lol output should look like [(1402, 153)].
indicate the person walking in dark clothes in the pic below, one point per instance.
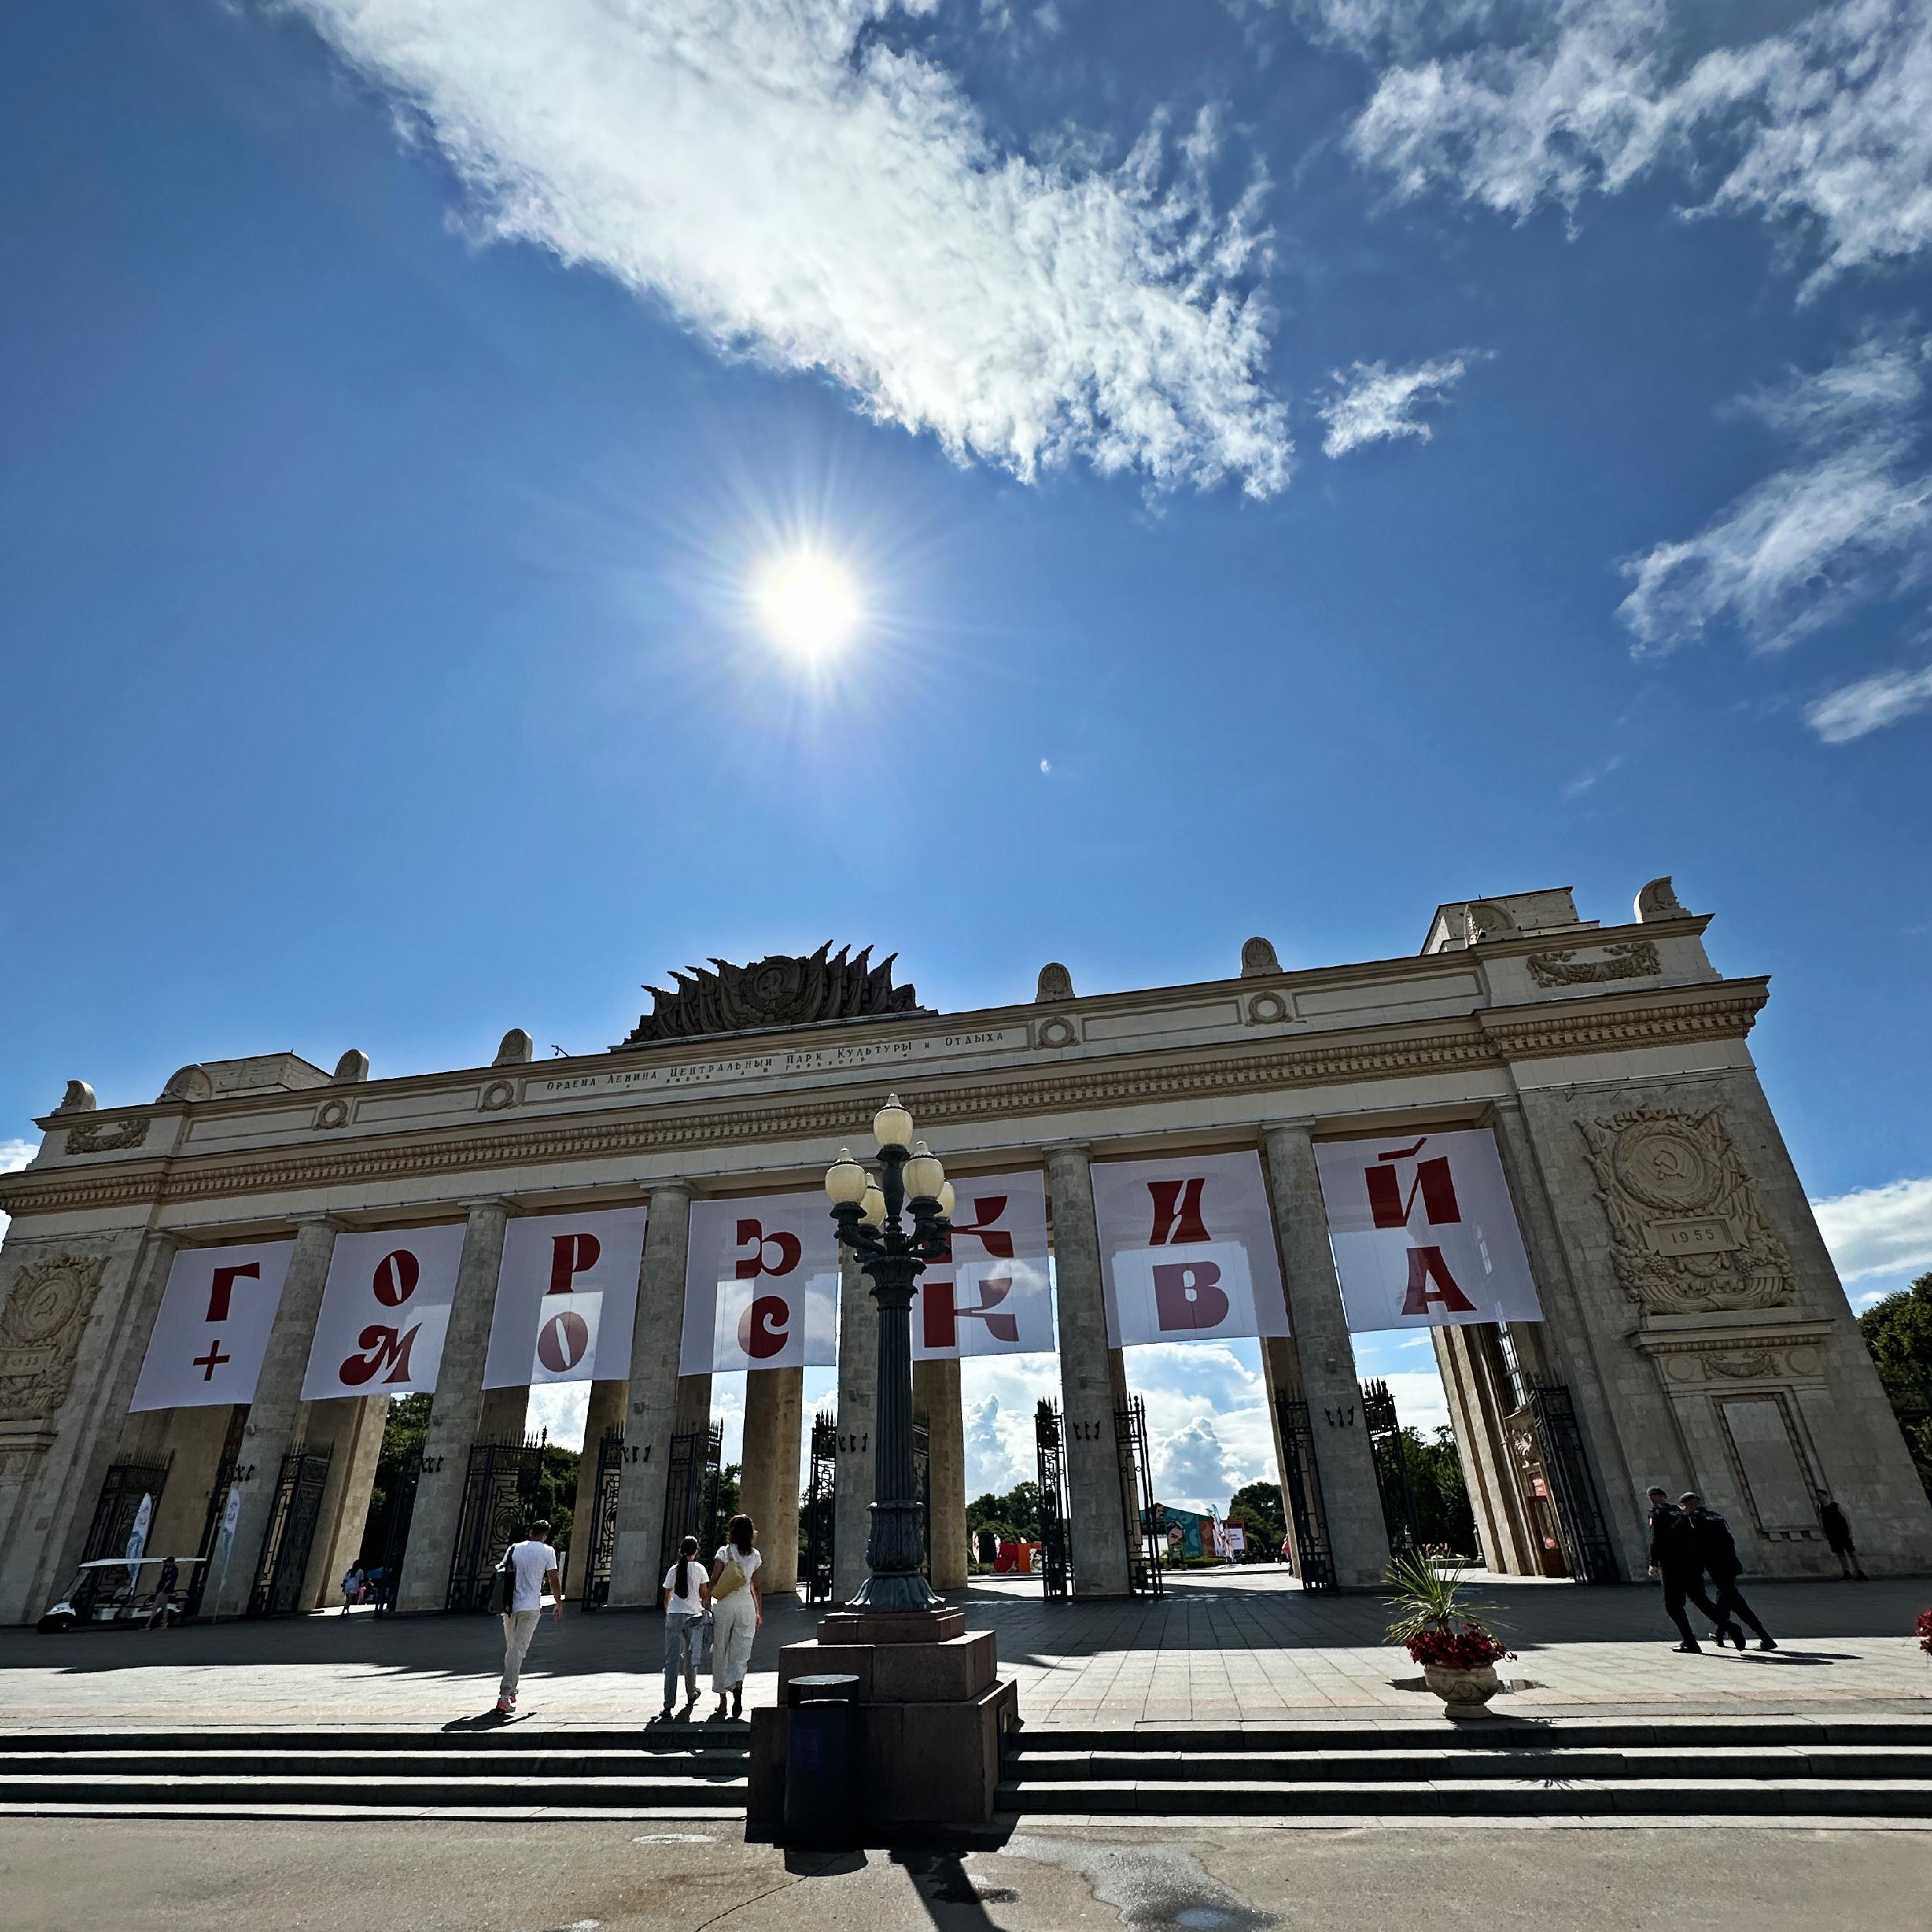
[(1674, 1560), (1838, 1533), (1717, 1555)]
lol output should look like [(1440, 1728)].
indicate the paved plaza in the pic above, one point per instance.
[(1240, 1646)]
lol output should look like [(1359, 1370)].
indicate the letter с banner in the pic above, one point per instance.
[(1187, 1249), (1423, 1232), (566, 1297), (211, 1331), (385, 1309), (761, 1286), (991, 1296)]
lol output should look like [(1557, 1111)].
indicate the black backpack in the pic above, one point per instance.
[(506, 1572)]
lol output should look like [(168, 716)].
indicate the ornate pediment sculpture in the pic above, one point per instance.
[(780, 991)]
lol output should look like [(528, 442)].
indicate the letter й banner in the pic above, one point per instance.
[(211, 1331), (1187, 1249), (385, 1309), (1424, 1232), (566, 1297), (990, 1295), (761, 1285)]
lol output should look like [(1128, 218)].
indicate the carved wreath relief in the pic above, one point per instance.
[(40, 1331), (1633, 959), (1690, 1234), (107, 1137)]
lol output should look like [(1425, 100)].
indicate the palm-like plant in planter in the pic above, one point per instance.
[(1458, 1653)]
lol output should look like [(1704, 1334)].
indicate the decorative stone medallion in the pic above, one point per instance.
[(40, 1330)]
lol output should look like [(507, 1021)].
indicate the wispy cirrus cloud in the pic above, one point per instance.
[(795, 179), (1878, 1230), (1370, 402), (1869, 704)]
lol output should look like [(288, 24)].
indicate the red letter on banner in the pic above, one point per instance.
[(397, 1275), (562, 1344), (571, 1254), (752, 1265), (761, 1328), (1177, 1213), (384, 1347), (996, 1241), (222, 1286), (1185, 1296), (1432, 1180), (1425, 1265)]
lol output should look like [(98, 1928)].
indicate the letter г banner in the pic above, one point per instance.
[(1424, 1232), (566, 1297), (1187, 1249), (385, 1311), (990, 1296), (761, 1287), (212, 1328)]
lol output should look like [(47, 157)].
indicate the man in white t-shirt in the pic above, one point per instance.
[(535, 1564)]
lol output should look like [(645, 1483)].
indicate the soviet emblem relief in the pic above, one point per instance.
[(40, 1330), (1690, 1234)]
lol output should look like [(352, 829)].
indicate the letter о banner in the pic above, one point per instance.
[(1187, 1249), (566, 1297), (991, 1296), (1424, 1232), (761, 1286), (212, 1328), (385, 1309)]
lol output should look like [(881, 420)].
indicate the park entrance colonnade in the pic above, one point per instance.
[(1541, 1139)]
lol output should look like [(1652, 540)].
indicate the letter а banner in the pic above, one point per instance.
[(385, 1309)]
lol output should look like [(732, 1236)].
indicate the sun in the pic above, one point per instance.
[(808, 603)]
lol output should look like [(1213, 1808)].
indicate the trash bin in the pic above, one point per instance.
[(821, 1756)]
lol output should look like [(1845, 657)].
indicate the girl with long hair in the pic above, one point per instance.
[(687, 1596)]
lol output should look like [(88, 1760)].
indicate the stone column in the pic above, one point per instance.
[(269, 1430), (1091, 1383), (1476, 1411), (858, 1417), (456, 1411), (607, 1400), (192, 1441), (936, 1396), (1281, 1379), (768, 1481), (1351, 1499), (653, 1400), (352, 1427), (693, 1415)]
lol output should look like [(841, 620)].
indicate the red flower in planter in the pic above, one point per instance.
[(1466, 1647), (1925, 1631)]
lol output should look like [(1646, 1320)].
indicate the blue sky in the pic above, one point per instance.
[(1299, 464)]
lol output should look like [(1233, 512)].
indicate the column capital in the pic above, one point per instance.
[(334, 1222), (1294, 1123), (473, 1204), (1083, 1150), (667, 1189)]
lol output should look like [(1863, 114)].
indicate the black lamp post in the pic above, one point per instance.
[(868, 1213)]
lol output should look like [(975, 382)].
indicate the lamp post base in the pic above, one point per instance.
[(896, 1592)]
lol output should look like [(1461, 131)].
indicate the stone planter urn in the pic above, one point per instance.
[(1462, 1688)]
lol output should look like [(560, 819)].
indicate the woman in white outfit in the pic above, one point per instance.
[(737, 1613)]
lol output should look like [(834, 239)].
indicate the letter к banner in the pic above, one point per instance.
[(992, 1294), (211, 1331), (566, 1297), (1187, 1249), (385, 1309), (761, 1285), (1424, 1231)]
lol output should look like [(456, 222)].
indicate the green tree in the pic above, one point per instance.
[(1898, 1332), (1257, 1508), (1016, 1514), (1443, 1515)]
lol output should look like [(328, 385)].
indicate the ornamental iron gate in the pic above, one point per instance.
[(1579, 1516), (822, 1509), (1056, 1544), (600, 1540), (1391, 1456), (227, 1472), (397, 1476), (119, 1507), (1144, 1573), (1314, 1555), (292, 1517), (500, 1492), (691, 1476)]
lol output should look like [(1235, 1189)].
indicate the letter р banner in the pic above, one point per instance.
[(1424, 1231), (566, 1297), (992, 1295), (1187, 1249), (761, 1285), (211, 1331), (385, 1309)]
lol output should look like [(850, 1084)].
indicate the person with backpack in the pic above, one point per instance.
[(737, 1613), (1674, 1562), (1717, 1553), (686, 1597), (526, 1575)]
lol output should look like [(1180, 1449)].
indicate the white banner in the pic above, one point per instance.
[(761, 1286), (1187, 1246), (991, 1297), (211, 1330), (566, 1297), (1424, 1232), (385, 1311)]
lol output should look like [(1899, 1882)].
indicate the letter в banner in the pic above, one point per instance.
[(761, 1285), (385, 1311), (991, 1295), (211, 1331), (566, 1298)]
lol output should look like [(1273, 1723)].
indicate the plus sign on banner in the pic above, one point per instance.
[(385, 1311), (211, 1331), (991, 1296), (566, 1298), (1424, 1232), (761, 1286)]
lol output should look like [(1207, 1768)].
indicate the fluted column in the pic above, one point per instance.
[(936, 1396), (768, 1481), (857, 1426)]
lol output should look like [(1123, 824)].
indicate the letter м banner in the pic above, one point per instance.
[(991, 1296), (385, 1309), (1423, 1232), (1187, 1249), (211, 1331), (566, 1297), (760, 1286)]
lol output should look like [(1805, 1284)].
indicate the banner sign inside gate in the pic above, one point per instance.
[(1187, 1249), (991, 1296), (211, 1331), (385, 1311), (566, 1297), (761, 1286), (1423, 1232)]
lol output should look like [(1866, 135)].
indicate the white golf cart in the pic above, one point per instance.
[(121, 1593)]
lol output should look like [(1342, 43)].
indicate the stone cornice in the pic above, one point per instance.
[(1484, 1039)]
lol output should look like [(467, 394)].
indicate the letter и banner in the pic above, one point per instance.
[(761, 1285), (385, 1309), (1424, 1231), (211, 1331), (990, 1295), (566, 1297), (1187, 1249)]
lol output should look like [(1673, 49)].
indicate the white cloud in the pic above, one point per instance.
[(1878, 1230), (563, 1408), (15, 1154), (1853, 710), (793, 182), (1372, 403)]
